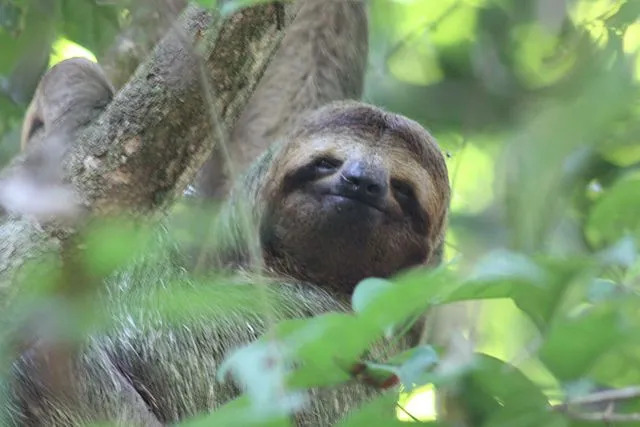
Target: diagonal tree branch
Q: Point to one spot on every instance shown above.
(156, 133)
(150, 141)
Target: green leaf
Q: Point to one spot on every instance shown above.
(11, 18)
(500, 274)
(111, 244)
(625, 16)
(498, 394)
(90, 24)
(367, 290)
(616, 213)
(410, 294)
(209, 4)
(240, 413)
(536, 286)
(618, 367)
(542, 303)
(587, 336)
(327, 346)
(32, 37)
(378, 412)
(508, 265)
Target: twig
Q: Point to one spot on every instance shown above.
(601, 397)
(421, 29)
(604, 417)
(407, 413)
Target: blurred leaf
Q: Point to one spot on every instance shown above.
(589, 335)
(541, 304)
(625, 16)
(540, 59)
(535, 287)
(623, 253)
(366, 291)
(238, 413)
(110, 244)
(89, 24)
(626, 153)
(11, 17)
(601, 290)
(472, 178)
(208, 3)
(377, 412)
(507, 265)
(456, 25)
(411, 294)
(414, 60)
(618, 367)
(518, 401)
(33, 34)
(328, 345)
(616, 213)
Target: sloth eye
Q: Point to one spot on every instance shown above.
(326, 164)
(402, 189)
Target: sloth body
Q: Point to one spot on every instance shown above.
(353, 192)
(347, 191)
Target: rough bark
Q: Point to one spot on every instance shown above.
(150, 141)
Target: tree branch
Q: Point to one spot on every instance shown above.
(150, 141)
(604, 417)
(606, 397)
(155, 135)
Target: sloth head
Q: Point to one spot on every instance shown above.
(355, 192)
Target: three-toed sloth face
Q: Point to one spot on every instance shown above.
(355, 192)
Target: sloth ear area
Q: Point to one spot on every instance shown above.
(70, 95)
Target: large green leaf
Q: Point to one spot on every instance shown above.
(517, 402)
(575, 343)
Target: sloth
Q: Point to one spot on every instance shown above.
(352, 192)
(348, 191)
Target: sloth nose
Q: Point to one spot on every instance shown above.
(364, 181)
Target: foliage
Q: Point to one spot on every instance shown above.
(537, 105)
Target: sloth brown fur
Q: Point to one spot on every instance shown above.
(148, 371)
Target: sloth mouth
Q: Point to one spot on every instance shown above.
(355, 199)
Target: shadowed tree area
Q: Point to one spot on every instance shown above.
(533, 316)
